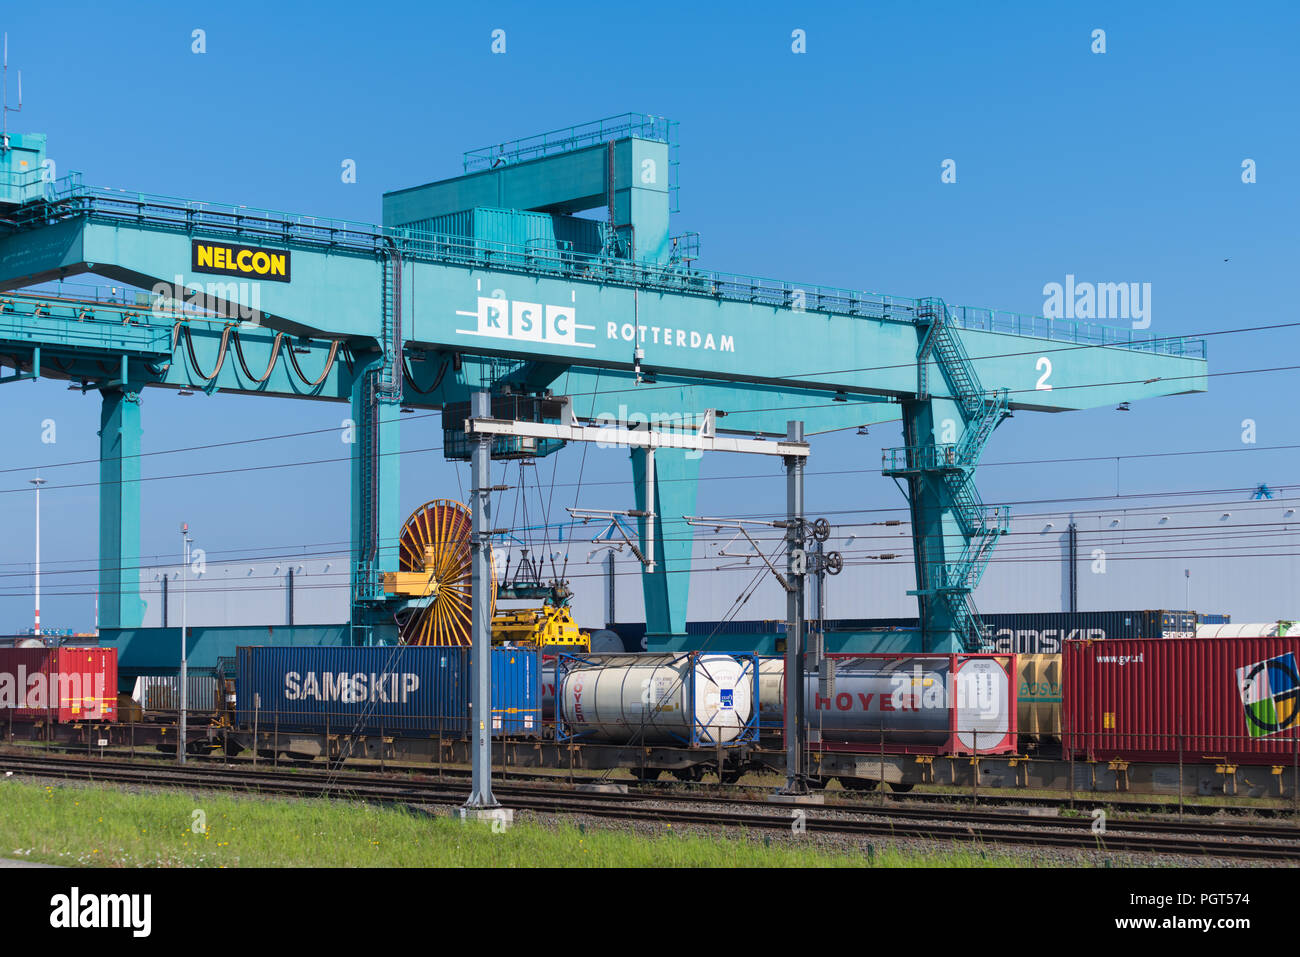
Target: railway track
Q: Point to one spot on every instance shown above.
(1111, 801)
(1227, 840)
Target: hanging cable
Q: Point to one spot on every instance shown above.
(270, 366)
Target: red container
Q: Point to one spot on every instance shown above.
(1149, 700)
(60, 684)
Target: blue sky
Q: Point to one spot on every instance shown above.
(820, 167)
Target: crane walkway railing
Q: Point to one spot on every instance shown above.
(642, 125)
(68, 198)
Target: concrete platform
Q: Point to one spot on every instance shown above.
(813, 798)
(499, 818)
(602, 788)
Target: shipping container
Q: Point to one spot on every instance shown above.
(548, 688)
(516, 691)
(60, 684)
(1170, 624)
(766, 626)
(1038, 694)
(1009, 633)
(1198, 699)
(1042, 633)
(1263, 629)
(390, 689)
(771, 694)
(687, 698)
(914, 704)
(159, 693)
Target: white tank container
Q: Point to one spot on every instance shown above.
(973, 711)
(688, 698)
(1267, 629)
(771, 691)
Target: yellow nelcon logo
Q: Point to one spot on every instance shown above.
(249, 261)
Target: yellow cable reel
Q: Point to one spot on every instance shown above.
(435, 563)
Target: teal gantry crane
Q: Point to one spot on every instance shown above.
(490, 281)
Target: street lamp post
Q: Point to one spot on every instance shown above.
(38, 482)
(185, 607)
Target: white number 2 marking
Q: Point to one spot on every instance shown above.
(1044, 365)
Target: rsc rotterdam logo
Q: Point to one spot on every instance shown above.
(225, 259)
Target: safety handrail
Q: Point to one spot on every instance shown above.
(73, 200)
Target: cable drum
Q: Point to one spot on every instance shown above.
(435, 543)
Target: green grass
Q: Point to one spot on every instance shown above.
(106, 826)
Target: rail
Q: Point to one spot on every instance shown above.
(69, 198)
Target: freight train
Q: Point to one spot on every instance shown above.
(1222, 707)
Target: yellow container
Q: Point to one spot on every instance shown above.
(1039, 684)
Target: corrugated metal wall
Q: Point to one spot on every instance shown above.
(250, 593)
(514, 227)
(1119, 566)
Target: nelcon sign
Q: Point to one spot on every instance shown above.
(250, 262)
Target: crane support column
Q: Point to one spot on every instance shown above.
(953, 532)
(120, 605)
(666, 539)
(373, 432)
(934, 532)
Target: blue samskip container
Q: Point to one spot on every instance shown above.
(516, 691)
(381, 689)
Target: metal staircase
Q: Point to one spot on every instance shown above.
(391, 375)
(948, 470)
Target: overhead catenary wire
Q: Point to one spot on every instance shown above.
(1111, 558)
(711, 478)
(272, 552)
(678, 386)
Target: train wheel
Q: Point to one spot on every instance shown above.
(900, 788)
(731, 776)
(694, 773)
(858, 784)
(645, 775)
